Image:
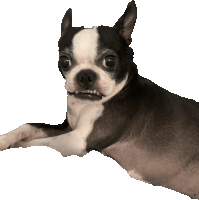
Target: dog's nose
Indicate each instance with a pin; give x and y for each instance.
(86, 78)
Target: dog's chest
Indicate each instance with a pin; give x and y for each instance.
(82, 116)
(73, 111)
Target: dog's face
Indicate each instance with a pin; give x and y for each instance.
(94, 62)
(94, 65)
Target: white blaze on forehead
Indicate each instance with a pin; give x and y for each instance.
(85, 45)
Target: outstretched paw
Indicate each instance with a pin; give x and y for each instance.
(5, 142)
(8, 140)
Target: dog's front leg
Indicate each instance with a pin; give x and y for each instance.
(29, 132)
(71, 143)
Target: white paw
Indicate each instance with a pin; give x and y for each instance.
(9, 139)
(5, 142)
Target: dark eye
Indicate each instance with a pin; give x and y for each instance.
(65, 62)
(109, 61)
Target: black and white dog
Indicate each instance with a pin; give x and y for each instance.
(150, 132)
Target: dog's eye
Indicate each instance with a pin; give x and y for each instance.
(65, 62)
(109, 62)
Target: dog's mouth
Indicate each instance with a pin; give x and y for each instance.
(92, 95)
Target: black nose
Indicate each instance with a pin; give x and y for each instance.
(86, 78)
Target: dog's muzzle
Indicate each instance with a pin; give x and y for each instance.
(86, 80)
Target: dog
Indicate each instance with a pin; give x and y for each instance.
(152, 133)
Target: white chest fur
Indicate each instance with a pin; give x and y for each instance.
(81, 116)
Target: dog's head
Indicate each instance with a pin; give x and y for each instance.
(94, 61)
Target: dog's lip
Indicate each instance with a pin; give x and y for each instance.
(95, 92)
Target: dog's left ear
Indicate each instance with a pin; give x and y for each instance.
(126, 22)
(67, 21)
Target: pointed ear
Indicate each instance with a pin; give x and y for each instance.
(126, 22)
(67, 21)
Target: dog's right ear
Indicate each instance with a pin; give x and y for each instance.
(127, 21)
(67, 21)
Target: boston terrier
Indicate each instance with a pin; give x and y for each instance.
(152, 133)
